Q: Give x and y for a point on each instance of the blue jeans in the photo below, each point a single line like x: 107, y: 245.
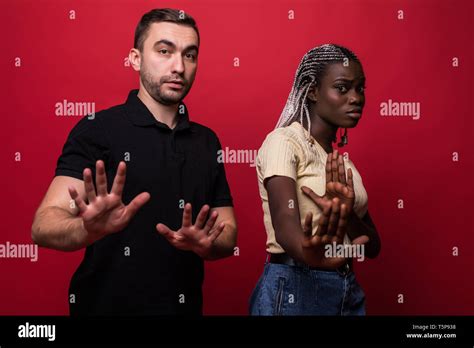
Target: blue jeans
x: 294, y: 290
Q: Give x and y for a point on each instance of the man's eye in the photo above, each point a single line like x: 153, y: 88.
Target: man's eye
x: 190, y: 56
x: 163, y: 51
x: 362, y: 89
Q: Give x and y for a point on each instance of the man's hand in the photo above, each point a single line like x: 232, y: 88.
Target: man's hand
x: 336, y: 184
x: 105, y: 212
x: 199, y: 237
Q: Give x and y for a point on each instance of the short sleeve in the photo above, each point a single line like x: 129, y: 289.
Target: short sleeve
x: 278, y: 156
x: 85, y: 145
x: 221, y: 196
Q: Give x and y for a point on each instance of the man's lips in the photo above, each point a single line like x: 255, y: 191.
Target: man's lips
x: 175, y: 84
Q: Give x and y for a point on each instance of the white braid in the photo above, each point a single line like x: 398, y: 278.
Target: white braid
x: 310, y: 71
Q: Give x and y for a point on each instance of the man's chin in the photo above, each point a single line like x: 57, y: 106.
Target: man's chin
x: 169, y: 99
x: 173, y: 97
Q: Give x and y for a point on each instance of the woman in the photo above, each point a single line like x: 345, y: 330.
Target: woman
x: 311, y: 205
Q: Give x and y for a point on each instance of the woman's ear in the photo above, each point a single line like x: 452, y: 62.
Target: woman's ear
x: 313, y: 93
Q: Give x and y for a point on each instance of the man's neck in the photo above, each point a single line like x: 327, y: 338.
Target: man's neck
x: 163, y: 113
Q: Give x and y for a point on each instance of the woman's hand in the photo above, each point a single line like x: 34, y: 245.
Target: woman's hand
x: 336, y: 184
x: 332, y: 227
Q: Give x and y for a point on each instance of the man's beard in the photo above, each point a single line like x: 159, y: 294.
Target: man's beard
x: 164, y: 97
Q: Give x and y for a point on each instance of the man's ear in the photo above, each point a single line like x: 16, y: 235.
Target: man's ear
x: 135, y: 57
x: 313, y: 93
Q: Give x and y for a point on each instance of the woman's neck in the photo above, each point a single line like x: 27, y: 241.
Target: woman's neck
x: 322, y: 131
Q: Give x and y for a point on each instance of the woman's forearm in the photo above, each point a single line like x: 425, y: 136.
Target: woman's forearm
x: 356, y: 227
x: 289, y: 234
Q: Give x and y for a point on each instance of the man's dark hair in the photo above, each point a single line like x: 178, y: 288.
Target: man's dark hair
x: 158, y: 15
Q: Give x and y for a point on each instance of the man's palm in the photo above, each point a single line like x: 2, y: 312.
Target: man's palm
x: 105, y: 212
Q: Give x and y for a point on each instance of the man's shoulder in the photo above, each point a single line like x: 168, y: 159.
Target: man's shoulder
x: 106, y: 115
x: 203, y: 130
x: 95, y: 123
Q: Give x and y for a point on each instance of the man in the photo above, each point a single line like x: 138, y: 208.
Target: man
x: 144, y: 255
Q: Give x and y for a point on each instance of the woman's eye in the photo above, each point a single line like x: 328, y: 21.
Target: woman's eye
x: 341, y: 88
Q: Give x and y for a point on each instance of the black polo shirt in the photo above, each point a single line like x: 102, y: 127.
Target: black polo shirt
x: 136, y: 271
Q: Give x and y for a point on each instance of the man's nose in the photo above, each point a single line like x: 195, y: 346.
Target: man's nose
x: 177, y: 65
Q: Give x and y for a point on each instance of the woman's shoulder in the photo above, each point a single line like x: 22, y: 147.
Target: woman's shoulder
x: 293, y: 133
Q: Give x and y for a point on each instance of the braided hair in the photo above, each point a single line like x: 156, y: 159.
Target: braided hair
x: 310, y: 72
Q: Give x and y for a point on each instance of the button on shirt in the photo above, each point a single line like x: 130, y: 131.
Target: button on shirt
x: 286, y: 151
x: 137, y: 271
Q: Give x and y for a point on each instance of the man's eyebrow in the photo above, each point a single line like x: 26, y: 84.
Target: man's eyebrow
x: 171, y: 44
x: 191, y: 48
x: 164, y: 41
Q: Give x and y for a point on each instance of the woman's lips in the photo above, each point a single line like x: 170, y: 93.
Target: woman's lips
x: 355, y: 115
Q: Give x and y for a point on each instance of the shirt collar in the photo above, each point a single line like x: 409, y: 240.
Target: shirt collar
x: 139, y: 114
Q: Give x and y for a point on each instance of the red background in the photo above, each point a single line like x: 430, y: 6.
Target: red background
x: 406, y: 60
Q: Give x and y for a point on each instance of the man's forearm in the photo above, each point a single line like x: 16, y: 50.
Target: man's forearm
x: 224, y: 244
x: 356, y: 228
x: 56, y: 228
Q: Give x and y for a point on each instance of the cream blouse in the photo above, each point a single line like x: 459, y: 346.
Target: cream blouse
x: 286, y: 151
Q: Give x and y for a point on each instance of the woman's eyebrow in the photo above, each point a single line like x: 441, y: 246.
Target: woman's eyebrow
x: 349, y: 80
